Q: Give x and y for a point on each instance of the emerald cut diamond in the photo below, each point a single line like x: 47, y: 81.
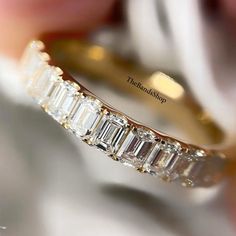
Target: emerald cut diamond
x: 110, y: 133
x: 44, y: 84
x: 62, y: 100
x: 202, y: 171
x: 164, y: 160
x: 193, y: 173
x: 85, y: 116
x: 136, y: 146
x: 33, y: 59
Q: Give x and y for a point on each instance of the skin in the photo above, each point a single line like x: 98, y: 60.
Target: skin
x: 21, y: 20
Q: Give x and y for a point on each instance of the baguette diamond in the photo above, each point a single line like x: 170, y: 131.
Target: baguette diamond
x: 44, y: 83
x: 201, y: 171
x: 136, y: 147
x: 191, y: 174
x: 110, y: 133
x: 164, y: 160
x: 62, y: 100
x: 33, y: 60
x: 85, y: 116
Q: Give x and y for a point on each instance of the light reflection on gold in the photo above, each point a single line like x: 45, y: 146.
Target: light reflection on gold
x: 96, y: 53
x: 204, y: 117
x: 166, y: 85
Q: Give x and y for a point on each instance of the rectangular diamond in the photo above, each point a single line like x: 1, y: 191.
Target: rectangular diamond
x: 192, y: 174
x: 110, y: 133
x: 44, y: 83
x: 85, y: 116
x: 32, y: 60
x: 203, y: 172
x: 62, y: 100
x: 136, y: 147
x: 164, y: 160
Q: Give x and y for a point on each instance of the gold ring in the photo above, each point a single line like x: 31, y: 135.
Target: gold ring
x: 122, y: 138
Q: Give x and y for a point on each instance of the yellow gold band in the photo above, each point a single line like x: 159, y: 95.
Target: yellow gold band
x: 119, y: 136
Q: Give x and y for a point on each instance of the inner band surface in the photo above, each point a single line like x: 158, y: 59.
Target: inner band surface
x: 98, y: 63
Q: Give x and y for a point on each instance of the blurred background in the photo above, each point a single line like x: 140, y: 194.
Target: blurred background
x: 51, y: 183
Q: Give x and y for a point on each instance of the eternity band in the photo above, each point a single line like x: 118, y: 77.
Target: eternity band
x: 98, y: 124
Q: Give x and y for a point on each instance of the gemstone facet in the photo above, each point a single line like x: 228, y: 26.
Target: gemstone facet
x: 191, y: 174
x: 43, y: 84
x: 197, y: 154
x: 62, y: 100
x: 33, y: 60
x: 110, y: 133
x: 164, y: 161
x: 85, y: 116
x: 136, y: 146
x: 203, y: 172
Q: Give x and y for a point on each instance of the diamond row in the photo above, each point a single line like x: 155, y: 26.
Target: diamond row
x: 111, y: 132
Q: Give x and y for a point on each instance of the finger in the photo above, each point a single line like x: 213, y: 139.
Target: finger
x: 20, y: 20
